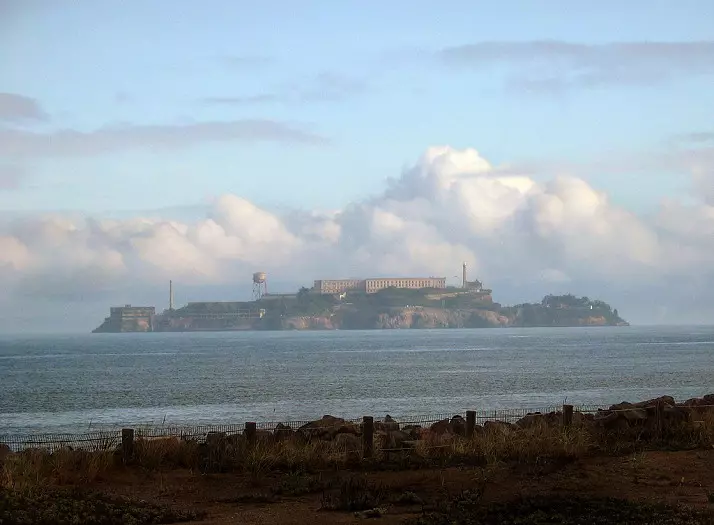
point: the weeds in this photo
(561, 509)
(51, 507)
(35, 468)
(355, 493)
(408, 498)
(299, 483)
(154, 454)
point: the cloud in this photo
(522, 237)
(551, 65)
(18, 108)
(245, 100)
(696, 137)
(21, 144)
(10, 176)
(328, 86)
(331, 86)
(243, 62)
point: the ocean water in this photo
(74, 383)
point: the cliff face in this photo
(440, 318)
(404, 318)
(196, 324)
(127, 325)
(307, 323)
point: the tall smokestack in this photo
(463, 278)
(171, 296)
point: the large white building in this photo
(336, 286)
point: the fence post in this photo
(567, 415)
(660, 418)
(470, 423)
(367, 436)
(250, 433)
(127, 444)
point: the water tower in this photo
(260, 285)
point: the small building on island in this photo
(128, 318)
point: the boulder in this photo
(264, 436)
(634, 416)
(414, 431)
(621, 406)
(327, 428)
(700, 405)
(387, 425)
(382, 440)
(611, 421)
(494, 427)
(531, 420)
(665, 400)
(348, 442)
(399, 438)
(551, 419)
(282, 432)
(458, 425)
(395, 439)
(677, 414)
(4, 451)
(441, 428)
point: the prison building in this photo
(412, 283)
(337, 286)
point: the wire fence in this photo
(111, 439)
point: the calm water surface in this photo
(67, 383)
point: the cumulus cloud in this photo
(523, 237)
(22, 144)
(15, 108)
(552, 65)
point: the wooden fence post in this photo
(250, 433)
(367, 436)
(470, 423)
(567, 415)
(660, 418)
(127, 444)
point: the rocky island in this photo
(369, 304)
(399, 309)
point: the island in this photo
(365, 304)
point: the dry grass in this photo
(34, 468)
(37, 468)
(154, 454)
(526, 445)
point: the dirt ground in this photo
(685, 477)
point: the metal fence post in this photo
(567, 415)
(470, 423)
(127, 444)
(250, 433)
(367, 436)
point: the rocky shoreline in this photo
(425, 318)
(646, 418)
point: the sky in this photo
(555, 147)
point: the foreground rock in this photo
(328, 428)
